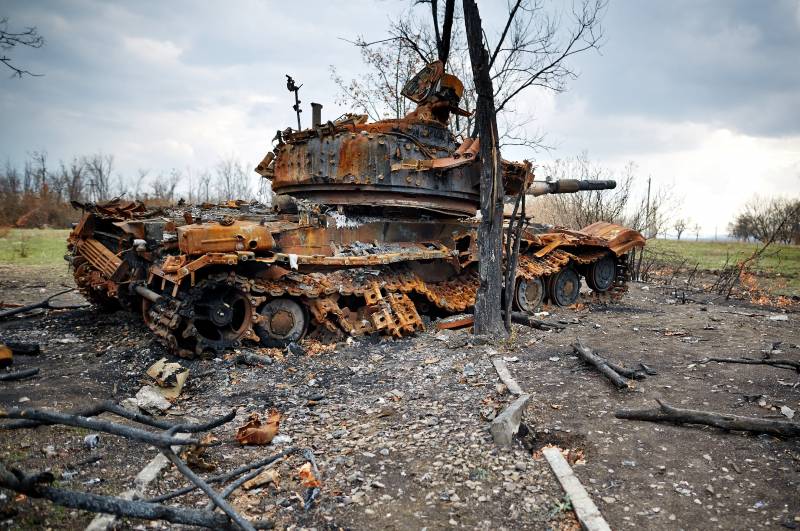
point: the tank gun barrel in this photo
(568, 186)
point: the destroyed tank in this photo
(373, 227)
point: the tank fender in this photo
(620, 239)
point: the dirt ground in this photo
(399, 428)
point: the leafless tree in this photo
(73, 176)
(680, 226)
(29, 37)
(204, 186)
(760, 217)
(98, 169)
(39, 168)
(231, 180)
(696, 229)
(163, 187)
(531, 50)
(10, 184)
(626, 204)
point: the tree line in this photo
(41, 193)
(764, 219)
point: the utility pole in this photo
(648, 228)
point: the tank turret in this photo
(412, 163)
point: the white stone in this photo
(149, 399)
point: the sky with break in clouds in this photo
(704, 96)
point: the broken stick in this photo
(667, 413)
(206, 488)
(780, 363)
(42, 304)
(527, 320)
(31, 485)
(18, 375)
(221, 478)
(627, 373)
(600, 364)
(160, 440)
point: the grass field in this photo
(33, 246)
(779, 261)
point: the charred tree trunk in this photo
(488, 304)
(667, 413)
(443, 38)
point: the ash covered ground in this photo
(399, 427)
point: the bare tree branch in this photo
(502, 39)
(29, 37)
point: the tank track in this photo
(349, 302)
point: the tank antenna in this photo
(290, 85)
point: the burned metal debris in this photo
(368, 233)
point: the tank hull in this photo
(327, 275)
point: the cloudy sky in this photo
(704, 96)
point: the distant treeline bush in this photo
(40, 194)
(761, 218)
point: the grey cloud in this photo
(732, 63)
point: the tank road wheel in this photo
(564, 287)
(284, 321)
(529, 294)
(600, 275)
(222, 316)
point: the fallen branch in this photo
(667, 413)
(780, 363)
(205, 487)
(247, 358)
(221, 478)
(210, 425)
(18, 375)
(159, 440)
(41, 304)
(107, 406)
(633, 374)
(527, 320)
(600, 364)
(31, 486)
(124, 506)
(241, 481)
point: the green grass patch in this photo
(781, 263)
(33, 246)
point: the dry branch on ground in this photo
(667, 413)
